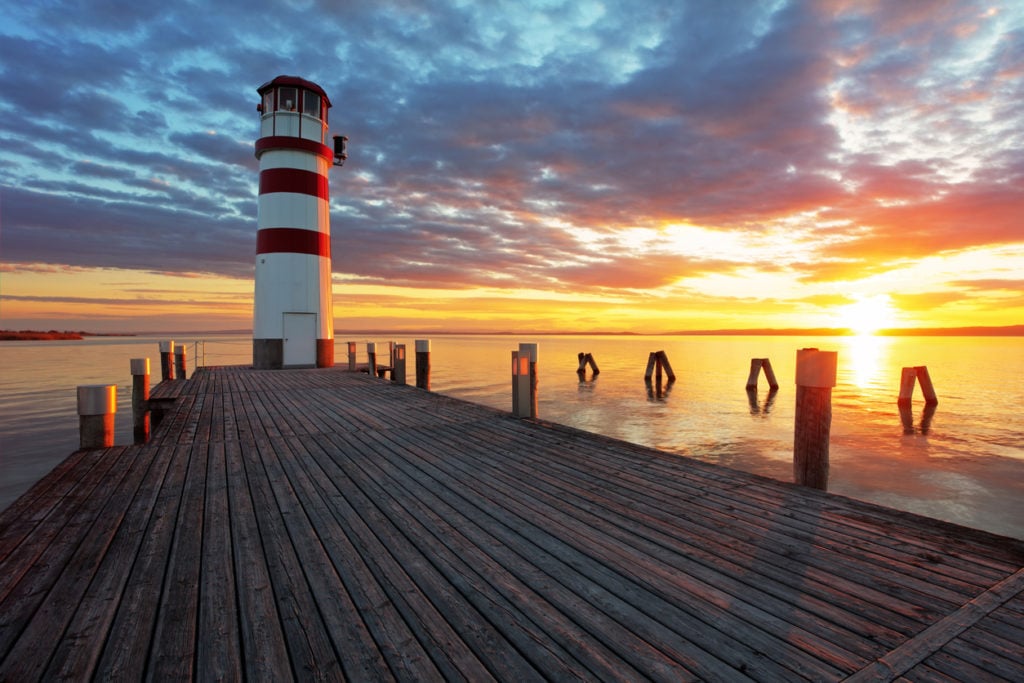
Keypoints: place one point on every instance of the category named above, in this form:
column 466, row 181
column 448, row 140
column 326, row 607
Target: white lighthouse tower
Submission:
column 293, row 322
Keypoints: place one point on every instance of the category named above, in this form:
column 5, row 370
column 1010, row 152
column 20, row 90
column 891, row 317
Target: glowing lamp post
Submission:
column 293, row 322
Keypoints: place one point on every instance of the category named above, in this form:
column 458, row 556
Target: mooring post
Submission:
column 351, row 356
column 423, row 364
column 524, row 381
column 530, row 350
column 179, row 362
column 815, row 378
column 140, row 398
column 166, row 360
column 398, row 366
column 97, row 404
column 371, row 358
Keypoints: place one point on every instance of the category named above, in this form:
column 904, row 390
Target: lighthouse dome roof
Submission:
column 297, row 82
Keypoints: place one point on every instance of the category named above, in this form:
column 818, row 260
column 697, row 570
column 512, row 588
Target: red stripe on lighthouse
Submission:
column 293, row 180
column 293, row 241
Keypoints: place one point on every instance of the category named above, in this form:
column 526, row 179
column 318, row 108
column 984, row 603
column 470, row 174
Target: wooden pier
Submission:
column 327, row 525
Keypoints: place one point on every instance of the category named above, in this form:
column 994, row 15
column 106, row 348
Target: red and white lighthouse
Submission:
column 293, row 322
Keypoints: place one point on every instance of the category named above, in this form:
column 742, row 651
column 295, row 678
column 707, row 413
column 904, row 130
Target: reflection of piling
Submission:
column 140, row 399
column 97, row 404
column 815, row 377
column 423, row 364
column 756, row 365
column 351, row 356
column 585, row 360
column 907, row 417
column 769, row 401
column 166, row 360
column 524, row 381
column 908, row 377
column 398, row 365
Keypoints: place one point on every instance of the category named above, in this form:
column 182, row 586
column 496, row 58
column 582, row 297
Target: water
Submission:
column 965, row 464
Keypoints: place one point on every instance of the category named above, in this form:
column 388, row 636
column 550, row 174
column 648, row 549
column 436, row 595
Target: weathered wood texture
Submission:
column 319, row 524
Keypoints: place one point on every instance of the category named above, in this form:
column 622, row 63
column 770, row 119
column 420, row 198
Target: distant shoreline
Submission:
column 976, row 331
column 52, row 335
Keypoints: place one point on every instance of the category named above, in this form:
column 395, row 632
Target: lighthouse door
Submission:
column 299, row 340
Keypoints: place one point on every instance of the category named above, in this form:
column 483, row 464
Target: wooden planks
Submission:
column 319, row 524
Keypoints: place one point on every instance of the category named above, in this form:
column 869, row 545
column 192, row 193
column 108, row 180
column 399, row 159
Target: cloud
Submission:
column 485, row 141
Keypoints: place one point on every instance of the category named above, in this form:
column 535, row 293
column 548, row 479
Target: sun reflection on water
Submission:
column 865, row 362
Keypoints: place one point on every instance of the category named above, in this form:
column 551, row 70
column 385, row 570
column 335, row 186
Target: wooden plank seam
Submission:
column 932, row 639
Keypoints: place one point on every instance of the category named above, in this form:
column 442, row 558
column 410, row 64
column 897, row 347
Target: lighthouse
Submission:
column 293, row 322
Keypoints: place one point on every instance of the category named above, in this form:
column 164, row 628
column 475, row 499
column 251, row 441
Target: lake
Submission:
column 963, row 463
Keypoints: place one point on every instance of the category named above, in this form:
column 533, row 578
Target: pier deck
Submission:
column 319, row 524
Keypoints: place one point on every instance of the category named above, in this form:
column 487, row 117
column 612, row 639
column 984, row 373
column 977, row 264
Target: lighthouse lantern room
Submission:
column 293, row 323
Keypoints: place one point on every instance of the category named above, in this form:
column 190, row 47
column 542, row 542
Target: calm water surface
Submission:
column 964, row 463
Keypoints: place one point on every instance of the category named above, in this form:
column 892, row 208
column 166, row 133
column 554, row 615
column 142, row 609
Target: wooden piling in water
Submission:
column 756, row 365
column 657, row 361
column 423, row 364
column 140, row 399
column 97, row 404
column 586, row 359
column 908, row 377
column 927, row 389
column 815, row 378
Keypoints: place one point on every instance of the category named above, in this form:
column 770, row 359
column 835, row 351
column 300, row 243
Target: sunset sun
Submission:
column 868, row 314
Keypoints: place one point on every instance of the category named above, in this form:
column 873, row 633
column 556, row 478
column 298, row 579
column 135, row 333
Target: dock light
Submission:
column 340, row 150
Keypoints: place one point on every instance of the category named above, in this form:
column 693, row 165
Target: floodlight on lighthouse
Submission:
column 340, row 150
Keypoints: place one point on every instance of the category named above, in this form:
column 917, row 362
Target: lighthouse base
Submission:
column 268, row 354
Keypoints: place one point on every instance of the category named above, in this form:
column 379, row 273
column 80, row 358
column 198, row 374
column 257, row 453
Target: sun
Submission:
column 868, row 314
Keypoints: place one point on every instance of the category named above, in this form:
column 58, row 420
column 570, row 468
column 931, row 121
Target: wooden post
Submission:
column 140, row 398
column 907, row 380
column 586, row 359
column 927, row 388
column 755, row 370
column 663, row 361
column 423, row 364
column 756, row 365
column 351, row 356
column 529, row 350
column 524, row 381
column 652, row 360
column 97, row 404
column 769, row 374
column 398, row 365
column 166, row 360
column 179, row 362
column 815, row 377
column 371, row 358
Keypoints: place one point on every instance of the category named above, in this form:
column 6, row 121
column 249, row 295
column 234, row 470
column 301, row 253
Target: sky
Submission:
column 545, row 165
